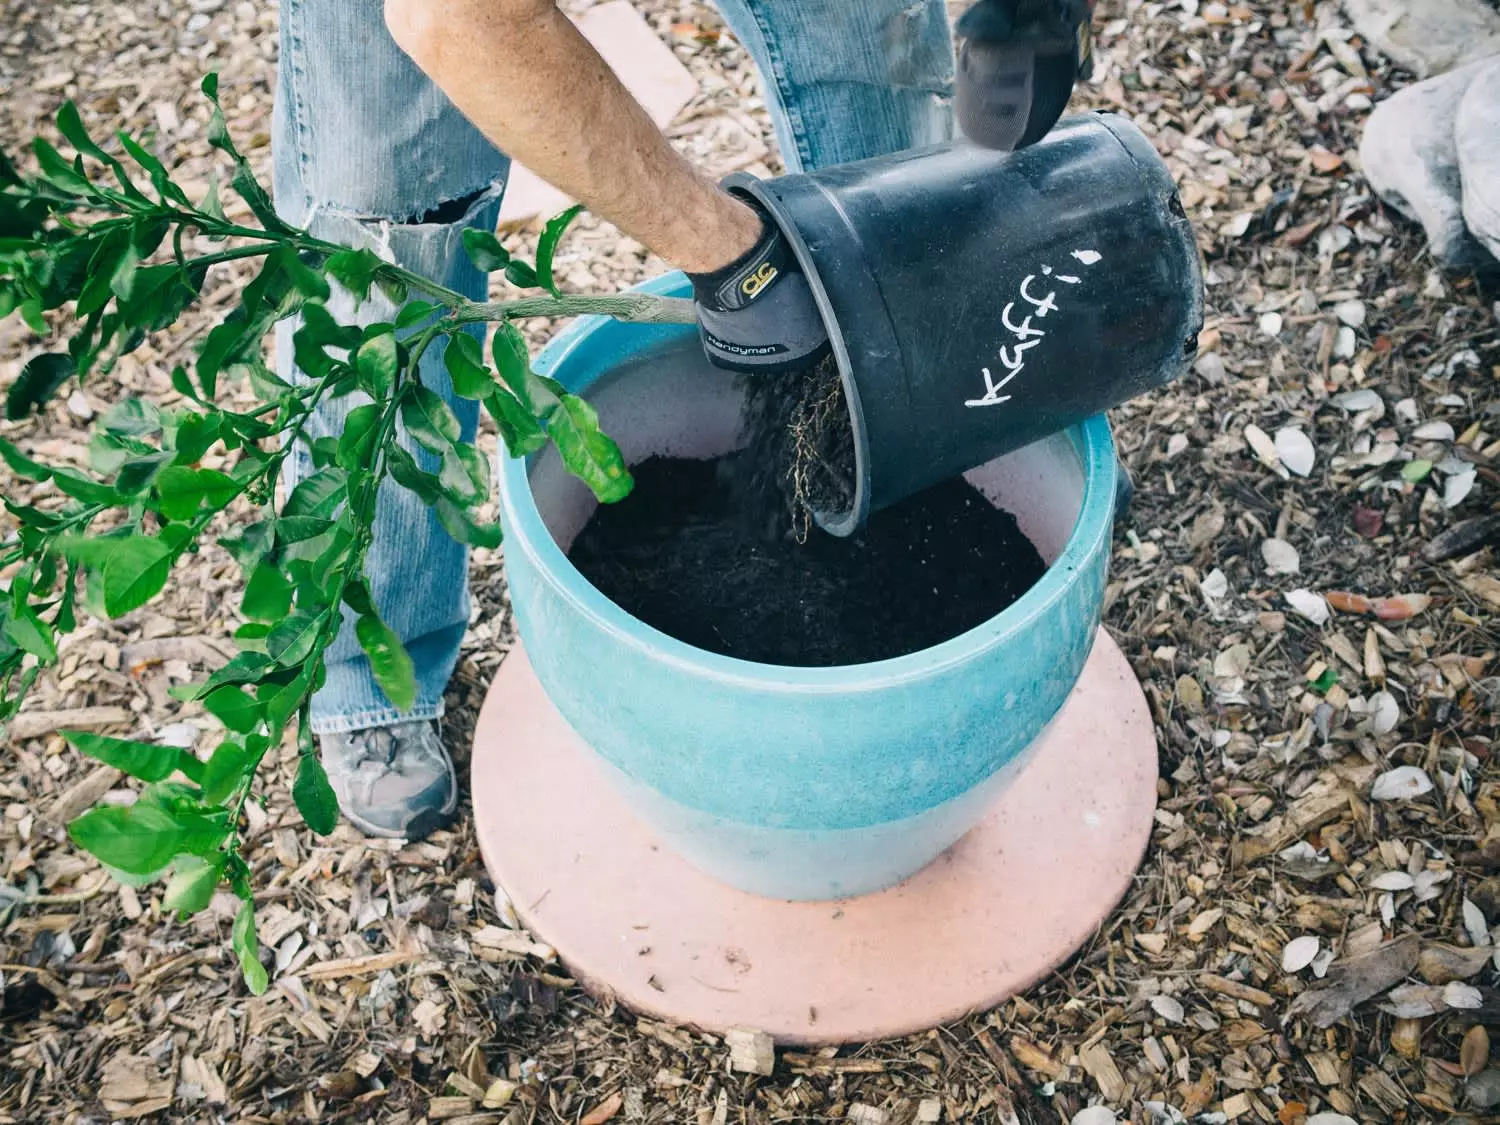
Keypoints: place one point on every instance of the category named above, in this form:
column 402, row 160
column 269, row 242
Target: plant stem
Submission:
column 634, row 308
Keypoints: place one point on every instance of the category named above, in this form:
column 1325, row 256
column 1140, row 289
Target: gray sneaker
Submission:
column 395, row 781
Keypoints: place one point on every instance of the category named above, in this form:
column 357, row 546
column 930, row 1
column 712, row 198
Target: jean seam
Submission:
column 299, row 98
column 373, row 717
column 781, row 83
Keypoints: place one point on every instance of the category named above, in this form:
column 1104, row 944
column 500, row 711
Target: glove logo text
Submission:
column 756, row 283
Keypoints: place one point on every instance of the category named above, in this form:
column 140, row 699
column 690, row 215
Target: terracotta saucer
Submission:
column 989, row 918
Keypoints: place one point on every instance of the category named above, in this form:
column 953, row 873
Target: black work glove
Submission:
column 757, row 314
column 1018, row 61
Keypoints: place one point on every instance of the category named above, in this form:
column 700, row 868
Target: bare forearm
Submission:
column 537, row 88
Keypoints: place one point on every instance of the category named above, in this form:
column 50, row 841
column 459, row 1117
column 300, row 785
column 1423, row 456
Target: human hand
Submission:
column 757, row 314
column 1018, row 61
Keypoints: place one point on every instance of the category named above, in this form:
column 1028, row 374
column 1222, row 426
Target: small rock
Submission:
column 1095, row 1115
column 1351, row 313
column 1483, row 1089
column 1299, row 953
column 1427, row 37
column 1486, row 895
column 198, row 22
column 1295, row 450
column 1409, row 154
column 1210, row 367
column 1309, row 605
column 1477, row 136
column 1346, row 343
column 1280, row 556
column 79, row 407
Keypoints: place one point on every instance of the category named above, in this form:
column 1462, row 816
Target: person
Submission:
column 394, row 128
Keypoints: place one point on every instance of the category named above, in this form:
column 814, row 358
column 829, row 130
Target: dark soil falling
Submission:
column 801, row 453
column 680, row 554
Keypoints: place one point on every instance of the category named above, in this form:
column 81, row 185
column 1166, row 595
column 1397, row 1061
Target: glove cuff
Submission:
column 750, row 277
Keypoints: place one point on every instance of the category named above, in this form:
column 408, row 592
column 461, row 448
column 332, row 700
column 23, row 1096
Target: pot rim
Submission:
column 525, row 530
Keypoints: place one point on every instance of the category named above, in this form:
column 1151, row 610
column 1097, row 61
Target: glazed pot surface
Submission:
column 798, row 783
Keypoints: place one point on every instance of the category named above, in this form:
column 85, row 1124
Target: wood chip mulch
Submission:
column 1305, row 585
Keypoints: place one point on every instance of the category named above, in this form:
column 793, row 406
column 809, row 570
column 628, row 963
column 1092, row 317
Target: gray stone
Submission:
column 1410, row 157
column 1476, row 133
column 1428, row 37
column 1484, row 1089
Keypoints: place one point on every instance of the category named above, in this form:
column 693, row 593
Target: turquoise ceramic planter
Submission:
column 796, row 783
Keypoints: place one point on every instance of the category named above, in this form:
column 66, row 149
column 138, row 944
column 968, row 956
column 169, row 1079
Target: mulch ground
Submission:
column 1299, row 586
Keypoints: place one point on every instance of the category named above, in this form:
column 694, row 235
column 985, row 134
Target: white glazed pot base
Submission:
column 989, row 918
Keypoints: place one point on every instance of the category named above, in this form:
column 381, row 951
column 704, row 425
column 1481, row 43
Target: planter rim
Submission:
column 525, row 530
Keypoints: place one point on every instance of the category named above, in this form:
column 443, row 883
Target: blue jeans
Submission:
column 365, row 146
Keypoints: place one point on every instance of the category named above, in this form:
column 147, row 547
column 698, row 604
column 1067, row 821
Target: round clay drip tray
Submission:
column 989, row 918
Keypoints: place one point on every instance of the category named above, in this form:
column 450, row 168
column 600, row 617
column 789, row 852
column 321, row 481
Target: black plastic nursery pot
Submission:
column 978, row 301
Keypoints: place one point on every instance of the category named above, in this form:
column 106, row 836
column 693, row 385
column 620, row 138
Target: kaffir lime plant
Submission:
column 82, row 235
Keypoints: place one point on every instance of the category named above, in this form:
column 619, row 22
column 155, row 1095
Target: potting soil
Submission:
column 684, row 554
column 801, row 454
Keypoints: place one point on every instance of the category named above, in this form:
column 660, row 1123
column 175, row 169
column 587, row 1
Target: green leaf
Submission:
column 236, row 710
column 252, row 544
column 357, row 444
column 291, row 642
column 318, row 496
column 464, row 360
column 459, row 524
column 22, row 465
column 514, row 364
column 455, row 480
column 195, row 436
column 248, row 949
column 589, row 454
column 70, row 125
column 484, row 250
column 142, row 760
column 154, row 168
column 243, row 668
column 193, row 884
column 31, row 313
column 132, row 417
column 135, row 572
column 429, row 419
column 307, row 281
column 283, row 703
column 37, row 383
column 1416, row 471
column 414, row 313
column 405, row 471
column 224, row 771
column 138, row 473
column 297, row 529
column 268, row 595
column 314, row 796
column 357, row 597
column 31, row 633
column 521, row 275
column 378, row 363
column 546, row 246
column 181, row 491
column 81, row 488
column 139, row 839
column 389, row 661
column 354, row 270
column 518, row 426
column 60, row 173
